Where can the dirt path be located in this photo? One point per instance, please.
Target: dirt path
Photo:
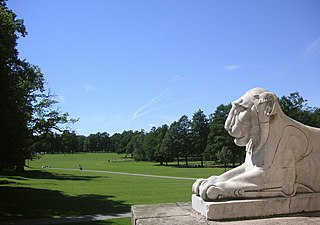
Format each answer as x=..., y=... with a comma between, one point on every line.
x=127, y=174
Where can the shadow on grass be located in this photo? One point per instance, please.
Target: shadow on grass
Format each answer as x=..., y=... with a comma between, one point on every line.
x=18, y=202
x=37, y=174
x=24, y=202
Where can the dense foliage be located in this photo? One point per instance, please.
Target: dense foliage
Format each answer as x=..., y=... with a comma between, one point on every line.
x=25, y=105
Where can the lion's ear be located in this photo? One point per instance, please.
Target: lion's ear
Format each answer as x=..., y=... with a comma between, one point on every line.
x=267, y=105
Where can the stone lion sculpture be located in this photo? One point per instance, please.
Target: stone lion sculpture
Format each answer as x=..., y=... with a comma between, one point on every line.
x=282, y=155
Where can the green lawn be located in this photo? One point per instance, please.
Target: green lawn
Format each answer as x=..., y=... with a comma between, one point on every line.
x=52, y=193
x=115, y=162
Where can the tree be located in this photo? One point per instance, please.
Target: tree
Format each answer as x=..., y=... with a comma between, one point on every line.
x=125, y=143
x=115, y=143
x=218, y=137
x=150, y=143
x=22, y=97
x=183, y=137
x=138, y=153
x=168, y=149
x=297, y=108
x=224, y=156
x=161, y=153
x=199, y=133
x=69, y=141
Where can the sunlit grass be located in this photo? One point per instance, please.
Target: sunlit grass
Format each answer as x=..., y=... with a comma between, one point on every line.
x=50, y=193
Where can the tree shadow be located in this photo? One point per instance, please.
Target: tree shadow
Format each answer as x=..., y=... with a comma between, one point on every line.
x=37, y=174
x=24, y=202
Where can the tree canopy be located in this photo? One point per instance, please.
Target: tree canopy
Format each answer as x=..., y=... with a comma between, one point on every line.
x=26, y=107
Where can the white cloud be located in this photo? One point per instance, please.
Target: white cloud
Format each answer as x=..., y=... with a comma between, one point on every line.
x=312, y=50
x=233, y=67
x=89, y=87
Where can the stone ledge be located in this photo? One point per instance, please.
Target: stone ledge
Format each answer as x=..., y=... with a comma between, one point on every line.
x=256, y=208
x=183, y=214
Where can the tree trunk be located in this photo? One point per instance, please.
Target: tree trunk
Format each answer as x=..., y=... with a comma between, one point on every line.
x=201, y=158
x=186, y=160
x=20, y=166
x=178, y=160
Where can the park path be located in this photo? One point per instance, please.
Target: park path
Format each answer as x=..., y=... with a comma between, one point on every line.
x=66, y=220
x=127, y=174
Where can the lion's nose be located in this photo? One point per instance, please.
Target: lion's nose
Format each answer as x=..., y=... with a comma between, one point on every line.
x=227, y=127
x=228, y=123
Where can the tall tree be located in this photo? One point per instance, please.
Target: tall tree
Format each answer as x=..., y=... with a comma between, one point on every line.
x=22, y=96
x=183, y=137
x=171, y=143
x=137, y=140
x=218, y=137
x=150, y=143
x=199, y=133
x=161, y=154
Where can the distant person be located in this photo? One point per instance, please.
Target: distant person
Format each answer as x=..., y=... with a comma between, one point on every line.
x=80, y=167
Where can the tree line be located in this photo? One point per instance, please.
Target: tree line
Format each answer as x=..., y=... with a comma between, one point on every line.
x=200, y=138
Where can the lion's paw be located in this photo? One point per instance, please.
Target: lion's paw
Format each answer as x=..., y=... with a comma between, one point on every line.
x=216, y=191
x=196, y=185
x=209, y=191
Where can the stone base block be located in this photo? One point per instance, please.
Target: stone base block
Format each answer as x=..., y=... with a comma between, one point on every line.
x=253, y=208
x=183, y=214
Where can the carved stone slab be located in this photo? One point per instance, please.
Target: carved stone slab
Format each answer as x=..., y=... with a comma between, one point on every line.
x=255, y=208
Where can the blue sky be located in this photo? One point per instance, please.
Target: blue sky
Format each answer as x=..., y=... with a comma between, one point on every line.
x=129, y=65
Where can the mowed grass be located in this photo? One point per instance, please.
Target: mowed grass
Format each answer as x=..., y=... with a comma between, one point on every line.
x=118, y=163
x=52, y=193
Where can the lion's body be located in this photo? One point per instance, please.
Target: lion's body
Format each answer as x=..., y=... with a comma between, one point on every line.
x=283, y=155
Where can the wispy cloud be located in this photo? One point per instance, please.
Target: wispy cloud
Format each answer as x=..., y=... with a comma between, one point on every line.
x=153, y=105
x=233, y=67
x=177, y=78
x=143, y=110
x=61, y=98
x=312, y=49
x=89, y=87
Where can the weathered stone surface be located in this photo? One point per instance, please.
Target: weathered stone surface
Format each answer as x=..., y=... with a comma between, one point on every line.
x=253, y=208
x=282, y=155
x=142, y=212
x=182, y=214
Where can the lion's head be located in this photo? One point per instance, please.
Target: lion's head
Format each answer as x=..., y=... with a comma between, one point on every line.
x=248, y=119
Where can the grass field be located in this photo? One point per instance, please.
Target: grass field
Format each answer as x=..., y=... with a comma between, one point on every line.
x=49, y=192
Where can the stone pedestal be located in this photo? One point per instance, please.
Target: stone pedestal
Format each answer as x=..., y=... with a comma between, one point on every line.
x=253, y=208
x=183, y=214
